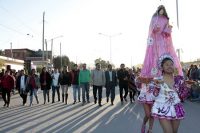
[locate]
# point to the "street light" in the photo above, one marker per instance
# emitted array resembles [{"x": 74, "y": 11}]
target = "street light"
[
  {"x": 179, "y": 51},
  {"x": 110, "y": 38},
  {"x": 60, "y": 57},
  {"x": 29, "y": 35},
  {"x": 11, "y": 51},
  {"x": 52, "y": 46}
]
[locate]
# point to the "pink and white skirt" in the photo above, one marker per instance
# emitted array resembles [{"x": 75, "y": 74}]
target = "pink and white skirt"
[{"x": 171, "y": 112}]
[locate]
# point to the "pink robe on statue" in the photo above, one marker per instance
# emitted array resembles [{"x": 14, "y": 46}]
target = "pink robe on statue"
[{"x": 159, "y": 42}]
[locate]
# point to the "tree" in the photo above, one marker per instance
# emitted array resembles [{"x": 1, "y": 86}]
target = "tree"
[
  {"x": 104, "y": 64},
  {"x": 1, "y": 52},
  {"x": 57, "y": 61},
  {"x": 2, "y": 63},
  {"x": 71, "y": 65},
  {"x": 39, "y": 69},
  {"x": 37, "y": 53},
  {"x": 27, "y": 66}
]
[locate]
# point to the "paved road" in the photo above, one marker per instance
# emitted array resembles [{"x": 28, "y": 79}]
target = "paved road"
[{"x": 60, "y": 118}]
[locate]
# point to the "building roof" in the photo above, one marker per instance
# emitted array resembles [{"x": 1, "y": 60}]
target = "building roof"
[{"x": 22, "y": 49}]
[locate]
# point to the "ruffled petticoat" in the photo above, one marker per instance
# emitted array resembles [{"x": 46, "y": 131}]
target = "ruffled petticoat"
[
  {"x": 170, "y": 112},
  {"x": 146, "y": 94}
]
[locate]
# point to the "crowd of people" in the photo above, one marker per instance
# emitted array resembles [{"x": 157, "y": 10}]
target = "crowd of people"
[
  {"x": 193, "y": 74},
  {"x": 80, "y": 80}
]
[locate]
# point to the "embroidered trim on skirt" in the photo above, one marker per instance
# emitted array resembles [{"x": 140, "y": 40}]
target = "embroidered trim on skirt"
[{"x": 163, "y": 111}]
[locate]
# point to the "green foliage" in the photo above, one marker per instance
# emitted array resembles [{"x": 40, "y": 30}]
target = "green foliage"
[
  {"x": 2, "y": 63},
  {"x": 1, "y": 52},
  {"x": 39, "y": 69},
  {"x": 27, "y": 66},
  {"x": 57, "y": 62},
  {"x": 104, "y": 64},
  {"x": 71, "y": 65}
]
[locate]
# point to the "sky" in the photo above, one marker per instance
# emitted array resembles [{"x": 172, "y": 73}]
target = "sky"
[{"x": 79, "y": 22}]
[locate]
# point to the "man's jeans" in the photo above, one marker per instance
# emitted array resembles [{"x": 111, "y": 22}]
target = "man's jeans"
[
  {"x": 110, "y": 89},
  {"x": 76, "y": 89},
  {"x": 85, "y": 91},
  {"x": 99, "y": 89},
  {"x": 54, "y": 90}
]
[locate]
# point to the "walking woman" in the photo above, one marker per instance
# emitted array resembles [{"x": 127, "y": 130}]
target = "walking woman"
[
  {"x": 65, "y": 81},
  {"x": 75, "y": 83},
  {"x": 146, "y": 99},
  {"x": 131, "y": 85},
  {"x": 45, "y": 82},
  {"x": 32, "y": 84},
  {"x": 7, "y": 83}
]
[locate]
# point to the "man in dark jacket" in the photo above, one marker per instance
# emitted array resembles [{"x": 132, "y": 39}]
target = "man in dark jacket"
[
  {"x": 111, "y": 82},
  {"x": 21, "y": 86},
  {"x": 122, "y": 75},
  {"x": 45, "y": 82}
]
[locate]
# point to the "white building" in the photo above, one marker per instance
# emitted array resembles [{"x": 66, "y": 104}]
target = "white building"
[{"x": 14, "y": 63}]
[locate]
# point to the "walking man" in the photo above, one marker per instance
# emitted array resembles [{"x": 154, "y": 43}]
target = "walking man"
[
  {"x": 98, "y": 81},
  {"x": 111, "y": 82},
  {"x": 122, "y": 74},
  {"x": 21, "y": 86},
  {"x": 84, "y": 80}
]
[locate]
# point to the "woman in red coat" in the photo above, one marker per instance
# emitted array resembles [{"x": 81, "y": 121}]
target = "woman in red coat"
[{"x": 7, "y": 86}]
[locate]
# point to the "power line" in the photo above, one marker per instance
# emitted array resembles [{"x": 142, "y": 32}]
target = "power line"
[
  {"x": 4, "y": 42},
  {"x": 17, "y": 18},
  {"x": 6, "y": 27}
]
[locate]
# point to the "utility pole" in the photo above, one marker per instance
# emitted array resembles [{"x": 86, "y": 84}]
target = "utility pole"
[
  {"x": 11, "y": 50},
  {"x": 131, "y": 62},
  {"x": 177, "y": 19},
  {"x": 60, "y": 57},
  {"x": 179, "y": 56},
  {"x": 52, "y": 52},
  {"x": 110, "y": 41},
  {"x": 110, "y": 49},
  {"x": 43, "y": 39},
  {"x": 52, "y": 46},
  {"x": 46, "y": 59}
]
